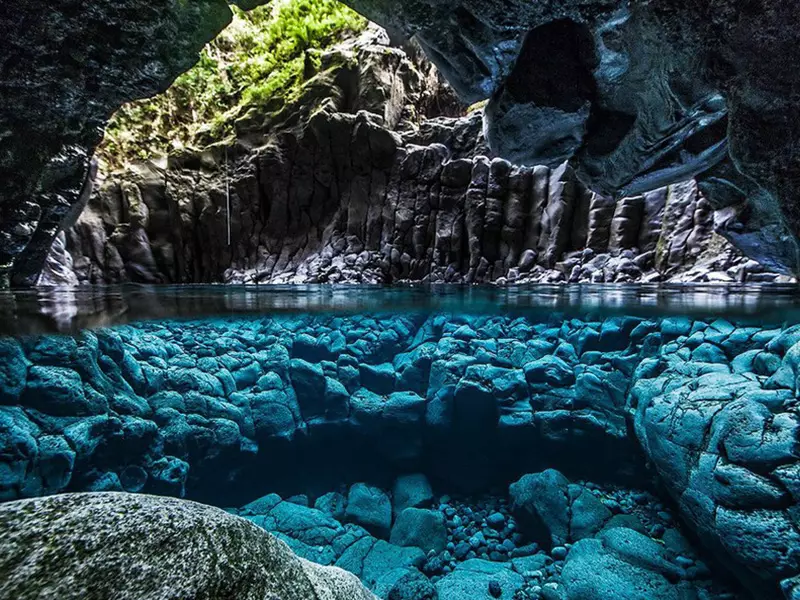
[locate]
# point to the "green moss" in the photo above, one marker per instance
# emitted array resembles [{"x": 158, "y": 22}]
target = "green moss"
[{"x": 259, "y": 63}]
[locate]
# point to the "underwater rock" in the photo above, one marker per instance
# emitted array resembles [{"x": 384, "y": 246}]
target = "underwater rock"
[
  {"x": 421, "y": 528},
  {"x": 541, "y": 505},
  {"x": 711, "y": 404},
  {"x": 479, "y": 579},
  {"x": 411, "y": 491},
  {"x": 99, "y": 545},
  {"x": 369, "y": 507},
  {"x": 553, "y": 512},
  {"x": 622, "y": 563}
]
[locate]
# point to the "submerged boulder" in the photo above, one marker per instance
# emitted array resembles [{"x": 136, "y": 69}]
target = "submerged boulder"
[
  {"x": 103, "y": 545},
  {"x": 370, "y": 508}
]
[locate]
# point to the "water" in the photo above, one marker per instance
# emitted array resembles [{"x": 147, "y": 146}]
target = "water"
[
  {"x": 50, "y": 310},
  {"x": 521, "y": 442}
]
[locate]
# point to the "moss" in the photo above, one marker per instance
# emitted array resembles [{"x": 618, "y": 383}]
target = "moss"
[{"x": 259, "y": 63}]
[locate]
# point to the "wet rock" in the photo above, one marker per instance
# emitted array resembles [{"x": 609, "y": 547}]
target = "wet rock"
[
  {"x": 479, "y": 579},
  {"x": 421, "y": 528},
  {"x": 369, "y": 507},
  {"x": 411, "y": 491}
]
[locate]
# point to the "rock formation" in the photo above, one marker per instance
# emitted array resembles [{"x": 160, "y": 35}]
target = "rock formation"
[
  {"x": 140, "y": 547},
  {"x": 362, "y": 192},
  {"x": 637, "y": 97},
  {"x": 204, "y": 408}
]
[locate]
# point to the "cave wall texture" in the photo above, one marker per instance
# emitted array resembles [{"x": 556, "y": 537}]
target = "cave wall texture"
[
  {"x": 636, "y": 96},
  {"x": 364, "y": 180}
]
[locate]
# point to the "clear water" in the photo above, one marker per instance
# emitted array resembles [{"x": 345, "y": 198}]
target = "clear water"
[
  {"x": 46, "y": 310},
  {"x": 323, "y": 413}
]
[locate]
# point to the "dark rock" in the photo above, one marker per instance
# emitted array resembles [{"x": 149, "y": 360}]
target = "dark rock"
[
  {"x": 422, "y": 528},
  {"x": 411, "y": 491},
  {"x": 369, "y": 507}
]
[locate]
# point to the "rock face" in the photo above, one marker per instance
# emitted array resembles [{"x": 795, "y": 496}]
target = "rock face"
[
  {"x": 359, "y": 191},
  {"x": 363, "y": 191},
  {"x": 400, "y": 213},
  {"x": 144, "y": 548},
  {"x": 636, "y": 97},
  {"x": 56, "y": 103},
  {"x": 198, "y": 407}
]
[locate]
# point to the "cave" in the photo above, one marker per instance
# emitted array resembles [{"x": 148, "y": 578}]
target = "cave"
[{"x": 399, "y": 301}]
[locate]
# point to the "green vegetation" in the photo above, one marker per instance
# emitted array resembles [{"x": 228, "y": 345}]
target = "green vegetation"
[{"x": 259, "y": 62}]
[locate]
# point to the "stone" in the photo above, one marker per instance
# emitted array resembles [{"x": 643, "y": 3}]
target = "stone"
[
  {"x": 421, "y": 528},
  {"x": 411, "y": 491},
  {"x": 540, "y": 503},
  {"x": 332, "y": 503},
  {"x": 369, "y": 507},
  {"x": 187, "y": 549},
  {"x": 479, "y": 579}
]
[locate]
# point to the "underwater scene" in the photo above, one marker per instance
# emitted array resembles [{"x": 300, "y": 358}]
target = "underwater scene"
[{"x": 498, "y": 452}]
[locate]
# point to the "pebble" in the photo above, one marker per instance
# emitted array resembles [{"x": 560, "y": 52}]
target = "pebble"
[
  {"x": 496, "y": 520},
  {"x": 494, "y": 589},
  {"x": 559, "y": 553}
]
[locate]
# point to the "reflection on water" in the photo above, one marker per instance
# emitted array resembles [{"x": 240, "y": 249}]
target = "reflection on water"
[{"x": 72, "y": 309}]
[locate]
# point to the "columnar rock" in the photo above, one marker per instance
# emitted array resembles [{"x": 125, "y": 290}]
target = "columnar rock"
[{"x": 397, "y": 213}]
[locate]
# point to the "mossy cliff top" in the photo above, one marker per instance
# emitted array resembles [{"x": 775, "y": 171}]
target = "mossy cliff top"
[{"x": 258, "y": 63}]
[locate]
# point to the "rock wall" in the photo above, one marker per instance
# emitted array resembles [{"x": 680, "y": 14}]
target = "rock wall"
[
  {"x": 317, "y": 208},
  {"x": 204, "y": 408},
  {"x": 67, "y": 67},
  {"x": 361, "y": 191},
  {"x": 638, "y": 96}
]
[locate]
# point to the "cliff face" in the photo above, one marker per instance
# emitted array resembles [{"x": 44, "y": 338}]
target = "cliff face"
[
  {"x": 635, "y": 95},
  {"x": 362, "y": 190},
  {"x": 66, "y": 67}
]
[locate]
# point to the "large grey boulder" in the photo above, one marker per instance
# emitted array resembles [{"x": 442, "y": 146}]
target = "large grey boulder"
[{"x": 138, "y": 547}]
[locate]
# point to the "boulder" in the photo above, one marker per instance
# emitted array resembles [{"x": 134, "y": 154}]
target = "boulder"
[
  {"x": 369, "y": 507},
  {"x": 479, "y": 580},
  {"x": 98, "y": 545},
  {"x": 622, "y": 564},
  {"x": 540, "y": 503},
  {"x": 411, "y": 491},
  {"x": 420, "y": 528}
]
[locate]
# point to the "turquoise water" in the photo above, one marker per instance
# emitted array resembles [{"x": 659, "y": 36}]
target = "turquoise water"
[
  {"x": 437, "y": 442},
  {"x": 47, "y": 310}
]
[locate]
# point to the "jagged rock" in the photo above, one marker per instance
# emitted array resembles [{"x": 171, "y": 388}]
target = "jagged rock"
[
  {"x": 369, "y": 507},
  {"x": 98, "y": 545},
  {"x": 420, "y": 206},
  {"x": 559, "y": 90}
]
